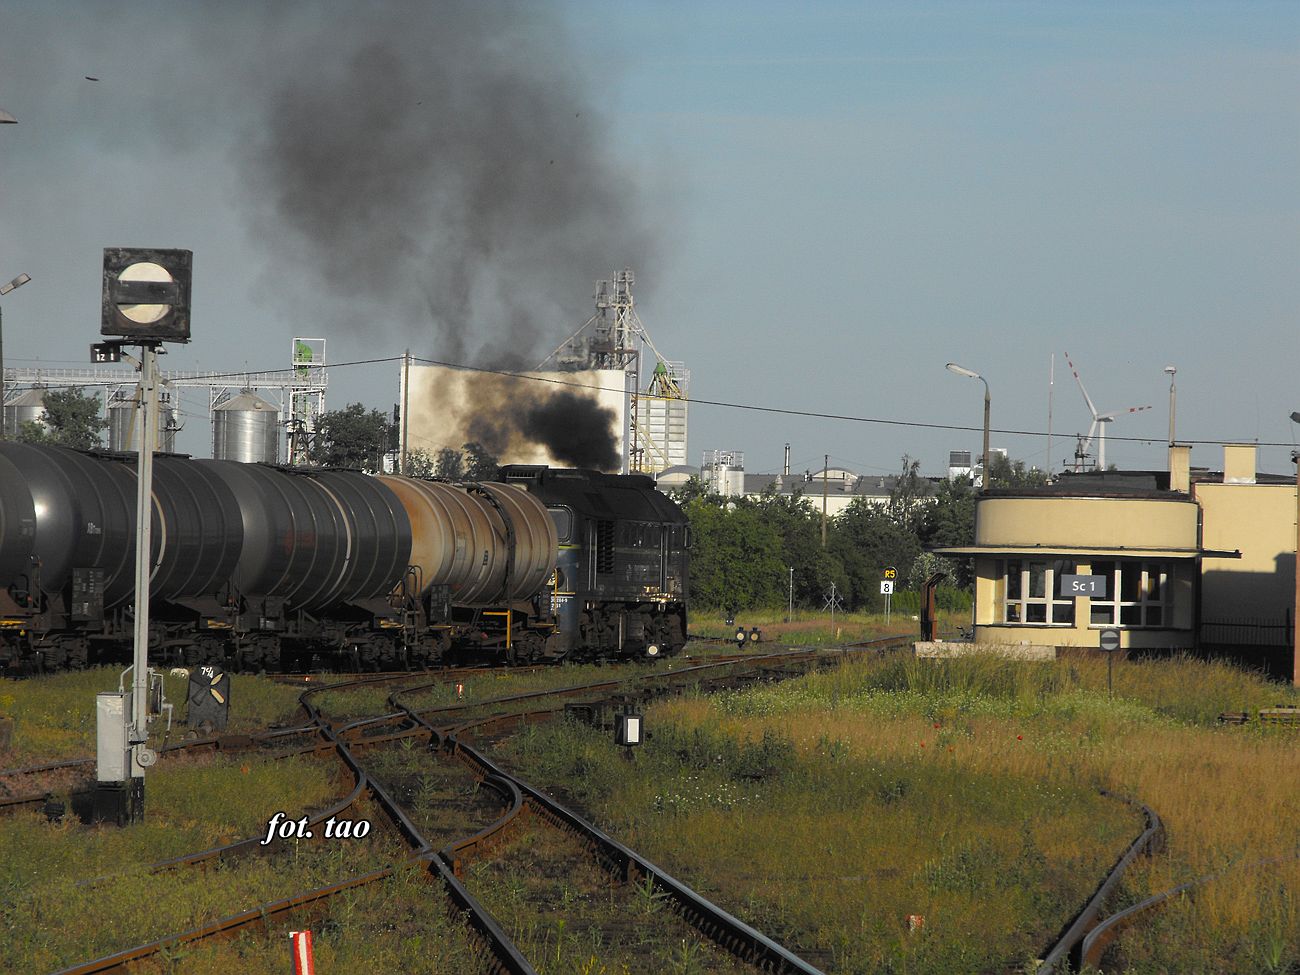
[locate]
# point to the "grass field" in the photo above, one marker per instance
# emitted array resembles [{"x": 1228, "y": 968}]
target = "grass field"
[{"x": 825, "y": 810}]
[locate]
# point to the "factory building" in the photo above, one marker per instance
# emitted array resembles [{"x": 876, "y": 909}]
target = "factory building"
[
  {"x": 657, "y": 390},
  {"x": 835, "y": 488},
  {"x": 519, "y": 419},
  {"x": 255, "y": 416}
]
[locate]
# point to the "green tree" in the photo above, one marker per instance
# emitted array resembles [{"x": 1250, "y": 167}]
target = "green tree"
[
  {"x": 450, "y": 465},
  {"x": 479, "y": 464},
  {"x": 910, "y": 497},
  {"x": 351, "y": 437},
  {"x": 1006, "y": 473},
  {"x": 735, "y": 556},
  {"x": 692, "y": 489},
  {"x": 420, "y": 463},
  {"x": 798, "y": 523},
  {"x": 867, "y": 539},
  {"x": 73, "y": 420},
  {"x": 950, "y": 522}
]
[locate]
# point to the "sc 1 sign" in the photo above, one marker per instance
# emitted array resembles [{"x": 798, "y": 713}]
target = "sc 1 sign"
[{"x": 1093, "y": 586}]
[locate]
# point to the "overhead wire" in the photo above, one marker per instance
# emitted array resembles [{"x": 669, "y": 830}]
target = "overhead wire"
[{"x": 722, "y": 404}]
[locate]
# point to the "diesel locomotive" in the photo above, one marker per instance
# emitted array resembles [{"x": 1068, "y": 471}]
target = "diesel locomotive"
[{"x": 267, "y": 567}]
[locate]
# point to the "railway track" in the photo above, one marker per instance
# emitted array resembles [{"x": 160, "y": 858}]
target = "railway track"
[
  {"x": 713, "y": 922},
  {"x": 346, "y": 739}
]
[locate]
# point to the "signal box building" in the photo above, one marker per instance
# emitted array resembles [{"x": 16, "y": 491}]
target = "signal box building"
[{"x": 1178, "y": 560}]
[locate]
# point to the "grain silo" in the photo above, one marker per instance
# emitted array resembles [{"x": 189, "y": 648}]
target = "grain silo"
[
  {"x": 122, "y": 421},
  {"x": 28, "y": 407},
  {"x": 246, "y": 428}
]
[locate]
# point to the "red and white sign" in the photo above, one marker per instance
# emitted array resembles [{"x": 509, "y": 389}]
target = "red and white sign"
[{"x": 302, "y": 961}]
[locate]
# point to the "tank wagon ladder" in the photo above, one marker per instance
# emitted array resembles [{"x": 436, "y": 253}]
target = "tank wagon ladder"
[{"x": 508, "y": 612}]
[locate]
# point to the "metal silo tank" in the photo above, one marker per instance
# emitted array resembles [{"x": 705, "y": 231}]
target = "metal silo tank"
[
  {"x": 246, "y": 428},
  {"x": 24, "y": 408},
  {"x": 122, "y": 420}
]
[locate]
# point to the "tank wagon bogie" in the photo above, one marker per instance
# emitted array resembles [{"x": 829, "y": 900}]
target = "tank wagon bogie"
[{"x": 270, "y": 567}]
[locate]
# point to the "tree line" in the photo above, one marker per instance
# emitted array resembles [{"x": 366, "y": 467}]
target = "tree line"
[{"x": 744, "y": 548}]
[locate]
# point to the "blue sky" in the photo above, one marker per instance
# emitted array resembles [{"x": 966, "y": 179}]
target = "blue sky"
[{"x": 842, "y": 197}]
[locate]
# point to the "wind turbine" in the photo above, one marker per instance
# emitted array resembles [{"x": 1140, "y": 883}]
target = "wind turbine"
[{"x": 1098, "y": 419}]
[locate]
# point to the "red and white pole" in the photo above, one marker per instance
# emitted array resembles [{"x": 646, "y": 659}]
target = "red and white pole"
[{"x": 302, "y": 960}]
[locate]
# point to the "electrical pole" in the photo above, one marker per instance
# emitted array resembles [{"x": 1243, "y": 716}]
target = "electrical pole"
[
  {"x": 406, "y": 403},
  {"x": 825, "y": 464}
]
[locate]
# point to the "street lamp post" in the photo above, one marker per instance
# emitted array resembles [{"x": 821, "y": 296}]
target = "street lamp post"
[
  {"x": 1173, "y": 398},
  {"x": 971, "y": 374},
  {"x": 1295, "y": 612},
  {"x": 17, "y": 282}
]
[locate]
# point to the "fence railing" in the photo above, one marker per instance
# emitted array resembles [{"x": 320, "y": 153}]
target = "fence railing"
[{"x": 1247, "y": 631}]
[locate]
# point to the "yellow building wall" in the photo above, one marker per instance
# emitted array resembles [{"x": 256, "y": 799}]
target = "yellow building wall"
[
  {"x": 1042, "y": 527},
  {"x": 1059, "y": 523},
  {"x": 1260, "y": 521}
]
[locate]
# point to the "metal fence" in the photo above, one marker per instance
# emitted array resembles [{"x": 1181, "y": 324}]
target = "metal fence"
[{"x": 1247, "y": 632}]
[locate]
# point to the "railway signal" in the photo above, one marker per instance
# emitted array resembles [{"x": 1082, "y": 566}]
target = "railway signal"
[
  {"x": 888, "y": 578},
  {"x": 145, "y": 302},
  {"x": 629, "y": 730},
  {"x": 208, "y": 701}
]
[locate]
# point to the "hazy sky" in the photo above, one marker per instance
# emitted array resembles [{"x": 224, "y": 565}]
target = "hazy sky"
[{"x": 822, "y": 202}]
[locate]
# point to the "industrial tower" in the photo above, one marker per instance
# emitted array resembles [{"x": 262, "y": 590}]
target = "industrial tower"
[{"x": 614, "y": 338}]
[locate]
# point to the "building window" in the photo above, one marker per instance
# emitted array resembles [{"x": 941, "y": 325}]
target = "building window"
[
  {"x": 1137, "y": 594},
  {"x": 1032, "y": 593}
]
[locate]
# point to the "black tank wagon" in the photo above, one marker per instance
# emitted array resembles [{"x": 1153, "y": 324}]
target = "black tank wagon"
[{"x": 267, "y": 567}]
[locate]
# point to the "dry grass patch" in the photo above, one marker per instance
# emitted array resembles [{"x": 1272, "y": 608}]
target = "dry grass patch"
[{"x": 828, "y": 808}]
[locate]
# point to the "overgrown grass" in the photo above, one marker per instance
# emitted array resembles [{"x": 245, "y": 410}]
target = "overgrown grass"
[
  {"x": 54, "y": 716},
  {"x": 812, "y": 628},
  {"x": 567, "y": 917},
  {"x": 397, "y": 925},
  {"x": 57, "y": 919},
  {"x": 827, "y": 809}
]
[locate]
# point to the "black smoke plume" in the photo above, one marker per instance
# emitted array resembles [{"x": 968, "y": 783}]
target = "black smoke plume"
[
  {"x": 442, "y": 173},
  {"x": 575, "y": 429}
]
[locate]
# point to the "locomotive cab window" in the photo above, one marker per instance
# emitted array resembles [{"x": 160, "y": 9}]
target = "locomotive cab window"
[{"x": 563, "y": 519}]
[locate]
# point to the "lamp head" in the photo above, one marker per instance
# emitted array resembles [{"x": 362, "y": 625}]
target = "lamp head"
[
  {"x": 1295, "y": 417},
  {"x": 1171, "y": 369},
  {"x": 962, "y": 371},
  {"x": 17, "y": 282}
]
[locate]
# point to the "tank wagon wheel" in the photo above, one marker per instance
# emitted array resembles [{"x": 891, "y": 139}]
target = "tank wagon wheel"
[
  {"x": 532, "y": 647},
  {"x": 66, "y": 653},
  {"x": 257, "y": 653},
  {"x": 392, "y": 653}
]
